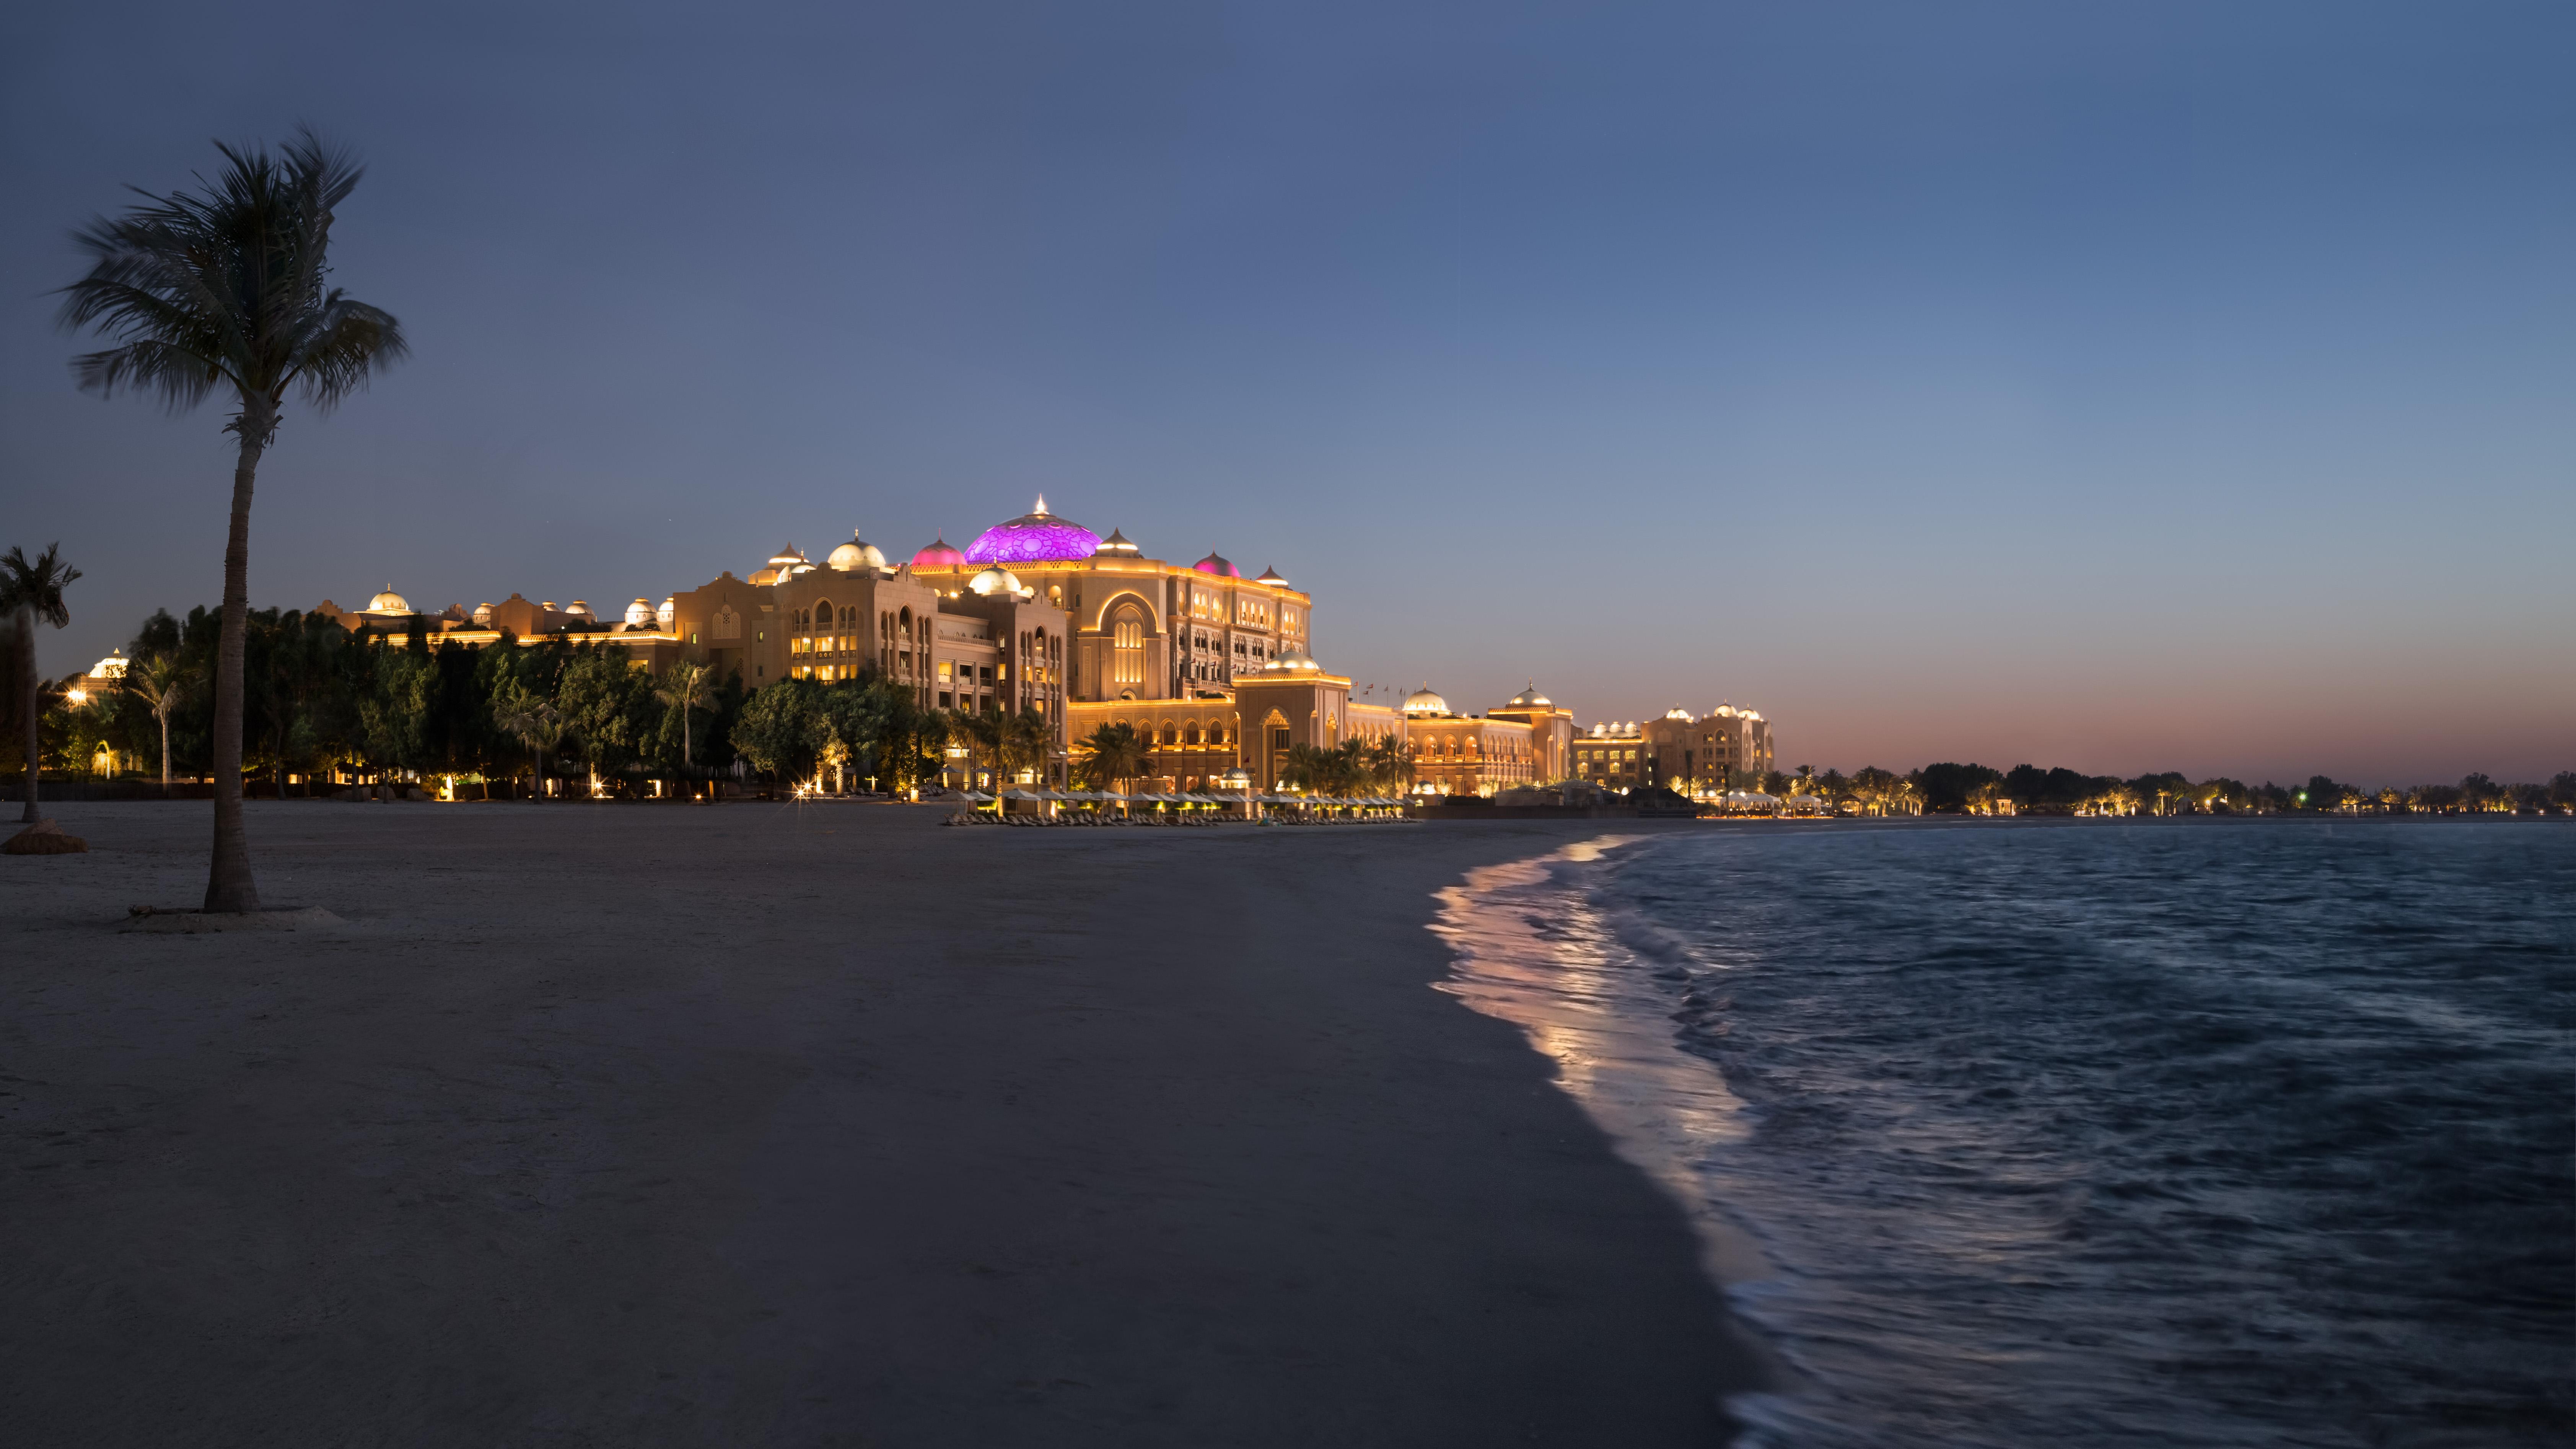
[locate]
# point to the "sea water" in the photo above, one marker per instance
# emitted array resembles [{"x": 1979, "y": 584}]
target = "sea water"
[{"x": 2083, "y": 1133}]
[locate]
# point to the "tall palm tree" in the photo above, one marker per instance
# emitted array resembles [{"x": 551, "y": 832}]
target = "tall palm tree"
[
  {"x": 687, "y": 686},
  {"x": 224, "y": 290},
  {"x": 1112, "y": 753},
  {"x": 532, "y": 720},
  {"x": 31, "y": 593},
  {"x": 161, "y": 682}
]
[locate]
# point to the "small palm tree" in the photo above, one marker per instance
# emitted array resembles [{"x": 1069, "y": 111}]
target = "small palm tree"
[
  {"x": 532, "y": 720},
  {"x": 1024, "y": 741},
  {"x": 162, "y": 682},
  {"x": 981, "y": 734},
  {"x": 686, "y": 686},
  {"x": 1112, "y": 753},
  {"x": 31, "y": 593},
  {"x": 224, "y": 290}
]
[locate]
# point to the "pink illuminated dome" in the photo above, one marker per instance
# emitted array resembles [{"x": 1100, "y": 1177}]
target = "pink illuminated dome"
[
  {"x": 1036, "y": 536},
  {"x": 938, "y": 555},
  {"x": 1215, "y": 564}
]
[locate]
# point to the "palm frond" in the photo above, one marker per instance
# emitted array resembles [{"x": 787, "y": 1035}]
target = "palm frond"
[{"x": 231, "y": 279}]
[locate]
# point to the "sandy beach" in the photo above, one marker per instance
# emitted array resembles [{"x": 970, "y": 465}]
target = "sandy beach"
[{"x": 769, "y": 1124}]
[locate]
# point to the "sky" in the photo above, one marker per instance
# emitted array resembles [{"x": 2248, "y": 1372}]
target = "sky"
[{"x": 2127, "y": 388}]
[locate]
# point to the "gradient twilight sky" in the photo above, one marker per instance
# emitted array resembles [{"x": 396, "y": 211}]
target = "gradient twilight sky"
[{"x": 2163, "y": 386}]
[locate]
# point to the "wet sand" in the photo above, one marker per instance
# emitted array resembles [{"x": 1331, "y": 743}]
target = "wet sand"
[{"x": 807, "y": 1126}]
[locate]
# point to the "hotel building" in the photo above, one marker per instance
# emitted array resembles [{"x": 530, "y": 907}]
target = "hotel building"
[{"x": 1214, "y": 670}]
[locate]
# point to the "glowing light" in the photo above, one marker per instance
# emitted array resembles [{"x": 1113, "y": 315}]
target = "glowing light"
[{"x": 1034, "y": 538}]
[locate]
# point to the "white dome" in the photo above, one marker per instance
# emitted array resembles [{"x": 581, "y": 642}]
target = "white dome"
[
  {"x": 112, "y": 667},
  {"x": 483, "y": 613},
  {"x": 639, "y": 615},
  {"x": 1423, "y": 701},
  {"x": 857, "y": 554},
  {"x": 1292, "y": 659},
  {"x": 1679, "y": 713},
  {"x": 580, "y": 609},
  {"x": 995, "y": 580},
  {"x": 388, "y": 602},
  {"x": 1530, "y": 698},
  {"x": 662, "y": 615}
]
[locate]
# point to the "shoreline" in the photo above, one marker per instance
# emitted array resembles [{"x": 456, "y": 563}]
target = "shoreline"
[{"x": 779, "y": 1125}]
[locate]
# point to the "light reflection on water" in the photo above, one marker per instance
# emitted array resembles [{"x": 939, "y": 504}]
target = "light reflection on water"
[
  {"x": 1548, "y": 972},
  {"x": 2224, "y": 1134}
]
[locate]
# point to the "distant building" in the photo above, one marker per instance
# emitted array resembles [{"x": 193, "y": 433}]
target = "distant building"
[{"x": 1691, "y": 755}]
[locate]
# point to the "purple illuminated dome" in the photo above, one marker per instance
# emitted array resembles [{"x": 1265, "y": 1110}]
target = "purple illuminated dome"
[
  {"x": 1034, "y": 537},
  {"x": 938, "y": 555},
  {"x": 1215, "y": 564}
]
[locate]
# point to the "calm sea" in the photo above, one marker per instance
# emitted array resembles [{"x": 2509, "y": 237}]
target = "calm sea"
[{"x": 2175, "y": 1133}]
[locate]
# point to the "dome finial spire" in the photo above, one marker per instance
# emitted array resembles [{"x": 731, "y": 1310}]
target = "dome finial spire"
[{"x": 1041, "y": 508}]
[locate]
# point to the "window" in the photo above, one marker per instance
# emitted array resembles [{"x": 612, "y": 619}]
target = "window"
[{"x": 1127, "y": 642}]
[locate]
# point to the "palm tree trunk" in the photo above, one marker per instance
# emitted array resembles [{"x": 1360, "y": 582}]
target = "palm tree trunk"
[
  {"x": 229, "y": 886},
  {"x": 165, "y": 754},
  {"x": 34, "y": 740}
]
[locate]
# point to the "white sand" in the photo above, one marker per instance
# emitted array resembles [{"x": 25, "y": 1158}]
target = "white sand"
[{"x": 629, "y": 1125}]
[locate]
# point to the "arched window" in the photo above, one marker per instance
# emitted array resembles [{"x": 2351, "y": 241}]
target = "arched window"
[
  {"x": 1191, "y": 734},
  {"x": 823, "y": 616},
  {"x": 1127, "y": 648}
]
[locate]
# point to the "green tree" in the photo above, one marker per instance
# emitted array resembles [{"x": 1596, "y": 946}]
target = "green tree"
[
  {"x": 226, "y": 288},
  {"x": 603, "y": 699},
  {"x": 783, "y": 729},
  {"x": 31, "y": 593}
]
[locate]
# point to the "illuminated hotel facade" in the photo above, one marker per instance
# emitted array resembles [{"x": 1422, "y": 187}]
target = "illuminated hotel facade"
[{"x": 1215, "y": 671}]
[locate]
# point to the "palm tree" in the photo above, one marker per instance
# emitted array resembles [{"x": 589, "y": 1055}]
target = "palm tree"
[
  {"x": 1112, "y": 753},
  {"x": 687, "y": 685},
  {"x": 1390, "y": 765},
  {"x": 981, "y": 734},
  {"x": 225, "y": 290},
  {"x": 161, "y": 682},
  {"x": 1024, "y": 741},
  {"x": 532, "y": 720},
  {"x": 31, "y": 593}
]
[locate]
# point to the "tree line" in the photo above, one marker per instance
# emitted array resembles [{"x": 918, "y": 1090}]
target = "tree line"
[
  {"x": 320, "y": 701},
  {"x": 1951, "y": 788}
]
